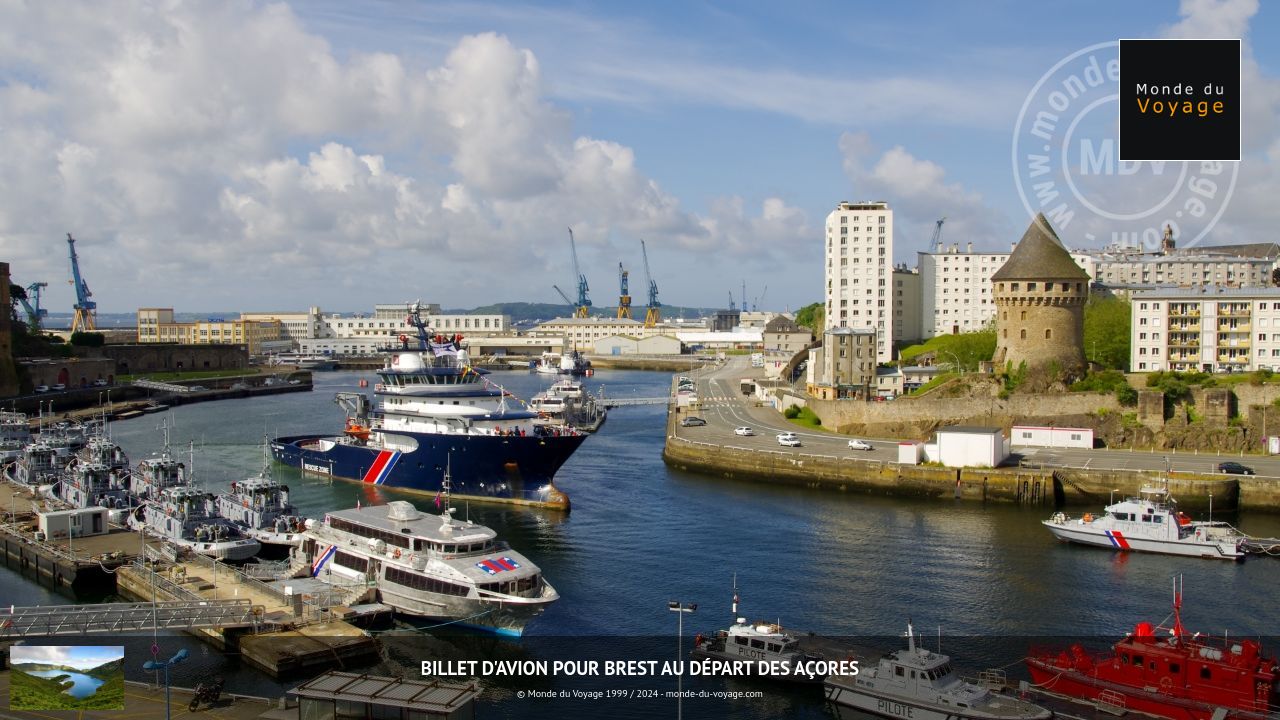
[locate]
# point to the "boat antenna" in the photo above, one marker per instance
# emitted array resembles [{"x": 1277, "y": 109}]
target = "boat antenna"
[
  {"x": 911, "y": 637},
  {"x": 735, "y": 594},
  {"x": 939, "y": 639},
  {"x": 445, "y": 485},
  {"x": 1178, "y": 630}
]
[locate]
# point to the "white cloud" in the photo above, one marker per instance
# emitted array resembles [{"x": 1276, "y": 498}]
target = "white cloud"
[{"x": 220, "y": 156}]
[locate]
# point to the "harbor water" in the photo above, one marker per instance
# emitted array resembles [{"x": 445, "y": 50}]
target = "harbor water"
[{"x": 641, "y": 535}]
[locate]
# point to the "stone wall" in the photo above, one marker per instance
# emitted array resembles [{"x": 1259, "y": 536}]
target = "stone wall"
[
  {"x": 918, "y": 417},
  {"x": 72, "y": 372},
  {"x": 138, "y": 359}
]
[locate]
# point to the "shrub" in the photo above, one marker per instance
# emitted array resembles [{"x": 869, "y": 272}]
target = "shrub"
[
  {"x": 791, "y": 413},
  {"x": 1126, "y": 395}
]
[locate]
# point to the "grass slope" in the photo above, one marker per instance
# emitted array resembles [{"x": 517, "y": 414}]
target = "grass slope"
[{"x": 29, "y": 692}]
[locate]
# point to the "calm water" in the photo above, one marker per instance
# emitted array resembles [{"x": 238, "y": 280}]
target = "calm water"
[
  {"x": 83, "y": 686},
  {"x": 641, "y": 535}
]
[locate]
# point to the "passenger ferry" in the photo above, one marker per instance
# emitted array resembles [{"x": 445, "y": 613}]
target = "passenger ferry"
[
  {"x": 922, "y": 685},
  {"x": 180, "y": 515},
  {"x": 1150, "y": 522},
  {"x": 430, "y": 566},
  {"x": 430, "y": 406}
]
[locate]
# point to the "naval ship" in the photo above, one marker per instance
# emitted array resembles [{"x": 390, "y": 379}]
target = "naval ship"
[{"x": 429, "y": 406}]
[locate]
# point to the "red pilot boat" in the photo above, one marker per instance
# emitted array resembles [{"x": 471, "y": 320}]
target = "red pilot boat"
[{"x": 1178, "y": 676}]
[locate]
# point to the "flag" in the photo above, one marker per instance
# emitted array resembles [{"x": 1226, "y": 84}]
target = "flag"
[
  {"x": 437, "y": 499},
  {"x": 357, "y": 503}
]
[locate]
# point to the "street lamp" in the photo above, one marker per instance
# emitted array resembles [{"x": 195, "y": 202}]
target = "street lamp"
[
  {"x": 165, "y": 665},
  {"x": 676, "y": 607},
  {"x": 955, "y": 357}
]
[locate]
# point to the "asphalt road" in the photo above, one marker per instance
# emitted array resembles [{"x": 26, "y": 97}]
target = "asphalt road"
[{"x": 724, "y": 407}]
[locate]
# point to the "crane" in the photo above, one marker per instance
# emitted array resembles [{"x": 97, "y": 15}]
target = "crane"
[
  {"x": 652, "y": 314},
  {"x": 567, "y": 301},
  {"x": 755, "y": 304},
  {"x": 624, "y": 296},
  {"x": 732, "y": 307},
  {"x": 937, "y": 234},
  {"x": 584, "y": 300},
  {"x": 35, "y": 313},
  {"x": 86, "y": 317}
]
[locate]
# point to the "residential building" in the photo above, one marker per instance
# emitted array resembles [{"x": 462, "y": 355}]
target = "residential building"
[
  {"x": 783, "y": 336},
  {"x": 908, "y": 309},
  {"x": 955, "y": 287},
  {"x": 1210, "y": 329},
  {"x": 156, "y": 325},
  {"x": 859, "y": 261},
  {"x": 295, "y": 325},
  {"x": 845, "y": 365}
]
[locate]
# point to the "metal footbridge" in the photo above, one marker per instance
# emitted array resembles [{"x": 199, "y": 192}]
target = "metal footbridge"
[
  {"x": 621, "y": 402},
  {"x": 125, "y": 617}
]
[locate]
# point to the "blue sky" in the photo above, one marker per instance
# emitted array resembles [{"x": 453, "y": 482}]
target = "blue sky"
[{"x": 251, "y": 156}]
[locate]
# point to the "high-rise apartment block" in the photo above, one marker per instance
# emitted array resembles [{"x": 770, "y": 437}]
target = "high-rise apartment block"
[{"x": 859, "y": 270}]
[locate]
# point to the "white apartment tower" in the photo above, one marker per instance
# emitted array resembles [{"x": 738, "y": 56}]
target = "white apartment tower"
[{"x": 859, "y": 271}]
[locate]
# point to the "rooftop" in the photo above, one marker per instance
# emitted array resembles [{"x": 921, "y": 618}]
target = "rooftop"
[
  {"x": 1040, "y": 254},
  {"x": 970, "y": 430},
  {"x": 1209, "y": 291},
  {"x": 425, "y": 696}
]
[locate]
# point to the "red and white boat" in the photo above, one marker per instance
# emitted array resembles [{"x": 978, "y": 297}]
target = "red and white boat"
[{"x": 1168, "y": 673}]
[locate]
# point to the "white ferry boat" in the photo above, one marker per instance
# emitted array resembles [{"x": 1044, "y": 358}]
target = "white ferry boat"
[
  {"x": 180, "y": 515},
  {"x": 1150, "y": 522},
  {"x": 430, "y": 566},
  {"x": 922, "y": 685}
]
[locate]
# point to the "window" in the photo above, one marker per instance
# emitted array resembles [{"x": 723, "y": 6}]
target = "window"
[
  {"x": 1048, "y": 334},
  {"x": 1024, "y": 334},
  {"x": 1205, "y": 673}
]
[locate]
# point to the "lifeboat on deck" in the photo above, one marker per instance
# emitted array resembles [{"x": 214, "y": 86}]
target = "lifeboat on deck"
[{"x": 356, "y": 430}]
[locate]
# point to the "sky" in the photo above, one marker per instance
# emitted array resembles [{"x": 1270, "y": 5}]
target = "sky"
[
  {"x": 81, "y": 657},
  {"x": 242, "y": 155}
]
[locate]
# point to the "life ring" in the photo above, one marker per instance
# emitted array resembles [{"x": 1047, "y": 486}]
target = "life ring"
[
  {"x": 404, "y": 338},
  {"x": 396, "y": 554},
  {"x": 1166, "y": 683}
]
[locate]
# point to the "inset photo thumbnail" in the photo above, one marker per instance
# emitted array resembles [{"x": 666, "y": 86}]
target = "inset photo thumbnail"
[{"x": 66, "y": 677}]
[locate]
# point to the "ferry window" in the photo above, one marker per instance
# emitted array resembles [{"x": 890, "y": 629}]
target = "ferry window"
[
  {"x": 1137, "y": 660},
  {"x": 740, "y": 640},
  {"x": 913, "y": 674},
  {"x": 1174, "y": 667},
  {"x": 1204, "y": 672},
  {"x": 1158, "y": 519},
  {"x": 897, "y": 670},
  {"x": 758, "y": 644},
  {"x": 1146, "y": 518},
  {"x": 774, "y": 648}
]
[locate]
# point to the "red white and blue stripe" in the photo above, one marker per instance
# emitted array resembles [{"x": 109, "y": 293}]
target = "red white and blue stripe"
[
  {"x": 323, "y": 558},
  {"x": 380, "y": 470},
  {"x": 1117, "y": 540},
  {"x": 494, "y": 566}
]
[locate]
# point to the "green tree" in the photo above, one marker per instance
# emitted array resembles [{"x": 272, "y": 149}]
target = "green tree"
[
  {"x": 1106, "y": 331},
  {"x": 812, "y": 316},
  {"x": 88, "y": 339},
  {"x": 966, "y": 349}
]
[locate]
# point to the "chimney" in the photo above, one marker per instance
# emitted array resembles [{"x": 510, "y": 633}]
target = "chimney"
[{"x": 969, "y": 248}]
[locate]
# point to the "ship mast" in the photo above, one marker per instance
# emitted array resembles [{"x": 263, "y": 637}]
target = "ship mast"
[{"x": 1178, "y": 630}]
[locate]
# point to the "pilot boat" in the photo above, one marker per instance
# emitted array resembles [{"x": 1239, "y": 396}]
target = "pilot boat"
[
  {"x": 758, "y": 642},
  {"x": 922, "y": 685},
  {"x": 259, "y": 507}
]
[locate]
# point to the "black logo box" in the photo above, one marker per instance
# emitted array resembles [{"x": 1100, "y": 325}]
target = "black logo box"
[{"x": 1160, "y": 77}]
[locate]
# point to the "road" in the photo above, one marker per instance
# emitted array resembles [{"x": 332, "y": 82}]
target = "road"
[{"x": 724, "y": 407}]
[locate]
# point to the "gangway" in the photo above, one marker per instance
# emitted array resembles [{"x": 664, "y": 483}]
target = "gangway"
[
  {"x": 126, "y": 617},
  {"x": 163, "y": 386},
  {"x": 619, "y": 402}
]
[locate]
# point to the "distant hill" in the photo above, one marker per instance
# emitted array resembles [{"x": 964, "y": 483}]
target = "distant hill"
[
  {"x": 37, "y": 667},
  {"x": 107, "y": 669}
]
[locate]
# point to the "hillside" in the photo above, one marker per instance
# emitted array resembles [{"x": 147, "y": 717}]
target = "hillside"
[
  {"x": 29, "y": 692},
  {"x": 106, "y": 670}
]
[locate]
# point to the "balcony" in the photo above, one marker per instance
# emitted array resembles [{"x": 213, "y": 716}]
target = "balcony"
[{"x": 1239, "y": 327}]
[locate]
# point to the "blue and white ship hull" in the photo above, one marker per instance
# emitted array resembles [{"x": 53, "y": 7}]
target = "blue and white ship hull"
[{"x": 516, "y": 469}]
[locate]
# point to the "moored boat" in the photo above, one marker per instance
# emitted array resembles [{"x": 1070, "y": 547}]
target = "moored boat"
[
  {"x": 922, "y": 685},
  {"x": 260, "y": 508},
  {"x": 1166, "y": 672},
  {"x": 180, "y": 515},
  {"x": 1150, "y": 522},
  {"x": 751, "y": 643}
]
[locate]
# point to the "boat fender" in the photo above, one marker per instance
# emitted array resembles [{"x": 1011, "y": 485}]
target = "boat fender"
[{"x": 396, "y": 554}]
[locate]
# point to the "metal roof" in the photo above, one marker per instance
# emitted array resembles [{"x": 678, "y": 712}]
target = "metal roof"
[
  {"x": 970, "y": 430},
  {"x": 431, "y": 696}
]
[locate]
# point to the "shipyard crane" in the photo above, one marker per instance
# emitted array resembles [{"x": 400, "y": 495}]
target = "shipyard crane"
[
  {"x": 584, "y": 300},
  {"x": 732, "y": 307},
  {"x": 31, "y": 304},
  {"x": 755, "y": 304},
  {"x": 937, "y": 234},
  {"x": 652, "y": 314},
  {"x": 86, "y": 317},
  {"x": 624, "y": 295},
  {"x": 567, "y": 301}
]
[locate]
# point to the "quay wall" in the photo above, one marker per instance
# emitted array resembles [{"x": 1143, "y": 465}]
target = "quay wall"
[{"x": 918, "y": 417}]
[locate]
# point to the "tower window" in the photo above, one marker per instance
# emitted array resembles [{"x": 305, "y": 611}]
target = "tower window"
[
  {"x": 1024, "y": 334},
  {"x": 1048, "y": 334}
]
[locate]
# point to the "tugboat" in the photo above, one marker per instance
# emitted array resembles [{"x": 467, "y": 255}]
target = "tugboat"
[
  {"x": 430, "y": 405},
  {"x": 1177, "y": 675},
  {"x": 259, "y": 507},
  {"x": 180, "y": 515},
  {"x": 429, "y": 566},
  {"x": 922, "y": 685},
  {"x": 1150, "y": 522},
  {"x": 758, "y": 642}
]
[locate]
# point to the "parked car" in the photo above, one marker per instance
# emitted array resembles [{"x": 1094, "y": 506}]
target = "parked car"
[
  {"x": 42, "y": 388},
  {"x": 59, "y": 387},
  {"x": 789, "y": 441},
  {"x": 1235, "y": 468},
  {"x": 856, "y": 444},
  {"x": 693, "y": 422},
  {"x": 743, "y": 431}
]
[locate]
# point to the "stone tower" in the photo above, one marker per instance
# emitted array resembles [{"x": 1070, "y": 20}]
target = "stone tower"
[
  {"x": 8, "y": 371},
  {"x": 1039, "y": 295}
]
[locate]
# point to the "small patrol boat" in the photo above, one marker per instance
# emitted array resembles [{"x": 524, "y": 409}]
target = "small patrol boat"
[
  {"x": 259, "y": 507},
  {"x": 1150, "y": 522},
  {"x": 180, "y": 515},
  {"x": 755, "y": 642},
  {"x": 922, "y": 685}
]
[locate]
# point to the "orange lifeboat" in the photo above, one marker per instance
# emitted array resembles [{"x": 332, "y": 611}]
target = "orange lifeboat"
[{"x": 356, "y": 430}]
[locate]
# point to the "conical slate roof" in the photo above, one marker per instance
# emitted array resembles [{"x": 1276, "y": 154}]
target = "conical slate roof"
[{"x": 1040, "y": 256}]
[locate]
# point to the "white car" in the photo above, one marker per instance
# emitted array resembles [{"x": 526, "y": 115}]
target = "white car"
[
  {"x": 789, "y": 441},
  {"x": 744, "y": 431},
  {"x": 860, "y": 445}
]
